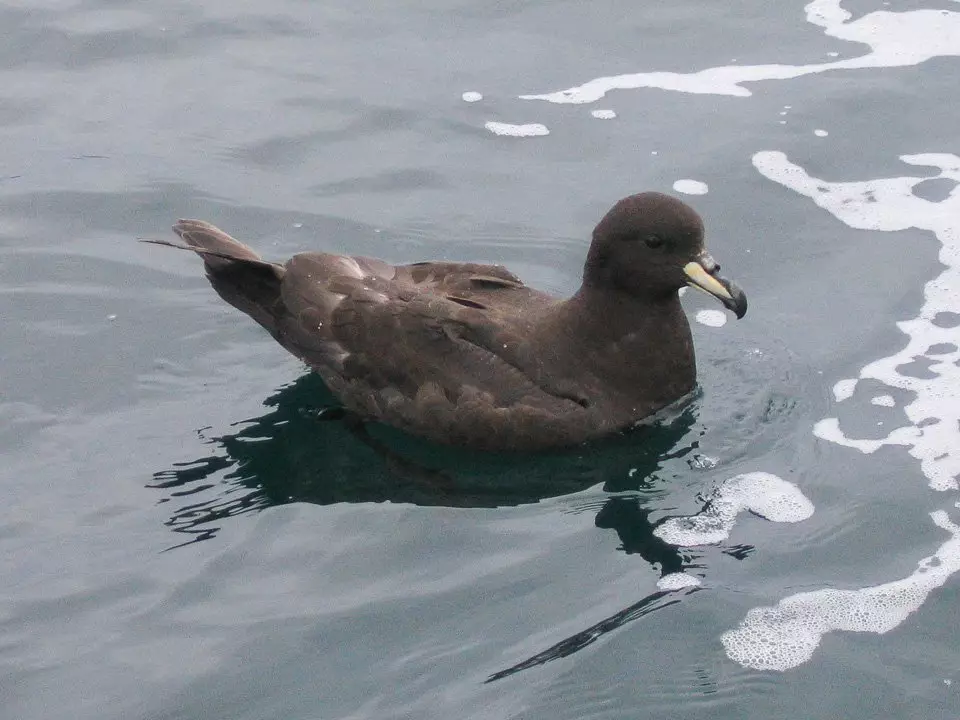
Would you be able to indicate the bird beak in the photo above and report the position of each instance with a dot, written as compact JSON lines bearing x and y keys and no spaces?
{"x":703,"y":274}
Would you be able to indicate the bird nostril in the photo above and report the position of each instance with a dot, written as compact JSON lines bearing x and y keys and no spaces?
{"x":708,"y":263}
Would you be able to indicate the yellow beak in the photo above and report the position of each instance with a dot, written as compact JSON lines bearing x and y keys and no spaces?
{"x":710,"y":282}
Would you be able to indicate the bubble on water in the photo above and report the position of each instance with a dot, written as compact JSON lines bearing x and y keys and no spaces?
{"x":761,"y":493}
{"x":702,"y":462}
{"x":890,"y":204}
{"x":691,"y":187}
{"x":712,"y":318}
{"x":509,"y":130}
{"x":895,"y":39}
{"x":678,"y":581}
{"x":844,"y":389}
{"x":787,"y":634}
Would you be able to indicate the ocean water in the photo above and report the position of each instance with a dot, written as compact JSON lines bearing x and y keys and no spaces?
{"x":181,"y":536}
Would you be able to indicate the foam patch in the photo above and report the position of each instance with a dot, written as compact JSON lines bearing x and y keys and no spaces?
{"x":711,"y":318}
{"x":787,"y":634}
{"x":678,"y":581}
{"x":529,"y":130}
{"x":890,"y":204}
{"x":895,"y":39}
{"x":691,"y":187}
{"x":766,"y":495}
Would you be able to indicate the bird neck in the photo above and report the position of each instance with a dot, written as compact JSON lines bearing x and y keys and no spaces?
{"x":622,"y":315}
{"x":634,"y":344}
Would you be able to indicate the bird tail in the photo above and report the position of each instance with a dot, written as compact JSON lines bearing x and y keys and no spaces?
{"x":238,"y":274}
{"x":219,"y":250}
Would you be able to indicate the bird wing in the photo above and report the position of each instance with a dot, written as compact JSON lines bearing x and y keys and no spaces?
{"x":402,"y":343}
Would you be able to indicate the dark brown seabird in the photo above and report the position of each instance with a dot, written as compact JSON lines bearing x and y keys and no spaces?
{"x":466,"y":354}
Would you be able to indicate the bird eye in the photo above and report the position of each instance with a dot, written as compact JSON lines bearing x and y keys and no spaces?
{"x":653,"y":241}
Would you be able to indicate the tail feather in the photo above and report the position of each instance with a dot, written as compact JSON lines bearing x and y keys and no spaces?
{"x":238,"y":274}
{"x":219,"y":247}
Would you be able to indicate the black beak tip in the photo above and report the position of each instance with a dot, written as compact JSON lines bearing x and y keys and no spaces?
{"x":738,"y":303}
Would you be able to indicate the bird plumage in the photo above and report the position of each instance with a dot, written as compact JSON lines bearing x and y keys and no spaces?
{"x":467,"y":354}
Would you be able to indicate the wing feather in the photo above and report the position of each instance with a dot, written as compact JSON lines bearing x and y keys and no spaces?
{"x":392,"y":343}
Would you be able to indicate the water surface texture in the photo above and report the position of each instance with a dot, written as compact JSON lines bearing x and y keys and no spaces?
{"x":183,"y":536}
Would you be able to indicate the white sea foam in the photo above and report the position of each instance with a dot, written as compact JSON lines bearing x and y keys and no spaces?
{"x":691,"y":187}
{"x":786,"y":635}
{"x":471,"y":96}
{"x":896,"y":39}
{"x":783,"y":636}
{"x":604,"y":114}
{"x":678,"y":581}
{"x":843,"y":389}
{"x":509,"y":130}
{"x":889,"y":204}
{"x":712,"y":318}
{"x":699,"y":461}
{"x":766,"y":495}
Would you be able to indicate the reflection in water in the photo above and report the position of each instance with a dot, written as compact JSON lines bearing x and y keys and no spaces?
{"x":578,"y":641}
{"x":296,"y":453}
{"x":301,"y":451}
{"x":631,"y":522}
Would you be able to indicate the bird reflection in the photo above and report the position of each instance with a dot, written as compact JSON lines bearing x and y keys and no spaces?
{"x":302,"y":451}
{"x":578,"y":641}
{"x":295,"y":452}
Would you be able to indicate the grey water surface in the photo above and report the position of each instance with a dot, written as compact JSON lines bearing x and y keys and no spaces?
{"x":182,"y":537}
